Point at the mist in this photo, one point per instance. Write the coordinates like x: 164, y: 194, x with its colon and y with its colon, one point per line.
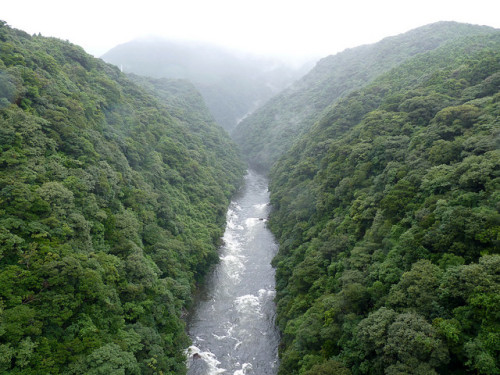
x: 293, y: 31
x: 233, y: 83
x: 350, y: 202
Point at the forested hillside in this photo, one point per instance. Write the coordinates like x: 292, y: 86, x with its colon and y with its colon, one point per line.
x: 387, y: 215
x: 232, y: 84
x: 273, y: 128
x: 112, y: 204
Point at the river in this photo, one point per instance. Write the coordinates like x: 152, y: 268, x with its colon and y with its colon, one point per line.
x: 232, y: 325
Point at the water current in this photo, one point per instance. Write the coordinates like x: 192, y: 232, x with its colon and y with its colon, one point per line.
x: 232, y: 325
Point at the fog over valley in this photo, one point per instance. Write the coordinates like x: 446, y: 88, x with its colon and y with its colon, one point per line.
x: 250, y: 188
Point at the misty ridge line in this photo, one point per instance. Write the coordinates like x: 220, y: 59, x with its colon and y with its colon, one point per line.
x: 232, y: 83
x: 382, y: 165
x: 277, y: 124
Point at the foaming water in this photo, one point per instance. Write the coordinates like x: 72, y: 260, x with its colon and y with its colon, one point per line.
x: 233, y: 322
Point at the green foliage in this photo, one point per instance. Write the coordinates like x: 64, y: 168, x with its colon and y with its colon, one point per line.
x: 328, y: 368
x: 273, y: 128
x: 386, y: 212
x: 112, y: 203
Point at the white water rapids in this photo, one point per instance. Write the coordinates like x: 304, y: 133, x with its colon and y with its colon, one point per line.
x: 232, y: 326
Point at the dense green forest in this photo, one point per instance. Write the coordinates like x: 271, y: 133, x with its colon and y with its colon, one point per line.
x: 113, y: 194
x: 385, y: 184
x: 232, y: 84
x: 273, y: 128
x: 387, y: 216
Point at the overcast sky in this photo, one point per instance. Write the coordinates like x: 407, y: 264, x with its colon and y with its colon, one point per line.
x: 305, y: 28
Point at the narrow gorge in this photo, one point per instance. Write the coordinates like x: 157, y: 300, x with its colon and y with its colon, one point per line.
x: 233, y: 323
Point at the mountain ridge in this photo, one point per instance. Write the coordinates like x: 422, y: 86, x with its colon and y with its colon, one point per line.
x: 381, y: 211
x: 112, y: 203
x: 232, y: 84
x: 273, y: 128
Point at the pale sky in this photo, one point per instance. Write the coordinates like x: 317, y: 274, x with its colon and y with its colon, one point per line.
x: 292, y: 28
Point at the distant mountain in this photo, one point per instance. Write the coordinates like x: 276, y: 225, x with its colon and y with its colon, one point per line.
x: 113, y: 194
x: 233, y: 85
x: 273, y: 128
x: 386, y: 213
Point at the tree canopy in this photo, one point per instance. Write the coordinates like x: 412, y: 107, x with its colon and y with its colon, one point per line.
x: 112, y: 203
x: 273, y: 128
x: 386, y: 212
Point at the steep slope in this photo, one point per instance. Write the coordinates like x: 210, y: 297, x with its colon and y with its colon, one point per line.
x: 112, y: 205
x: 273, y: 128
x: 232, y: 85
x: 387, y: 217
x: 186, y: 104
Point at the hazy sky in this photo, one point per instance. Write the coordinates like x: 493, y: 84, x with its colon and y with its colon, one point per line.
x: 280, y: 27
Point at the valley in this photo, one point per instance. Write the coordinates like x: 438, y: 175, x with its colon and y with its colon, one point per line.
x: 189, y: 210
